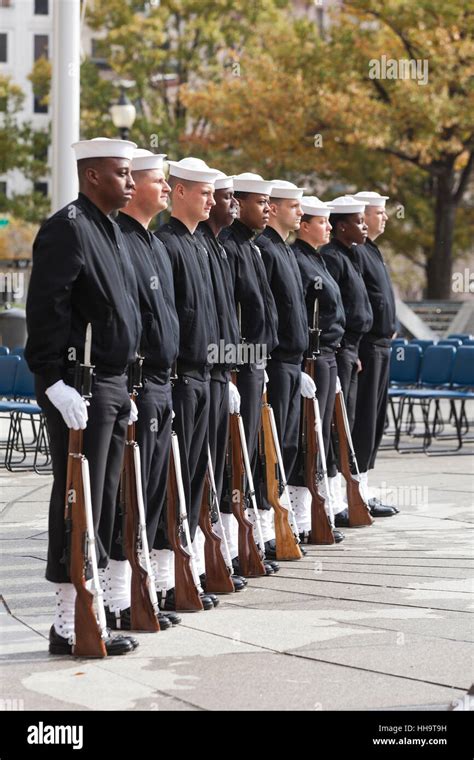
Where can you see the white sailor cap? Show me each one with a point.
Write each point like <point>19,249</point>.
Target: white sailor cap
<point>192,169</point>
<point>103,147</point>
<point>371,199</point>
<point>345,204</point>
<point>282,189</point>
<point>223,182</point>
<point>144,159</point>
<point>251,183</point>
<point>312,206</point>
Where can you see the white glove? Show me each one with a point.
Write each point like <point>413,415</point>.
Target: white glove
<point>133,412</point>
<point>266,380</point>
<point>234,399</point>
<point>70,403</point>
<point>338,385</point>
<point>308,388</point>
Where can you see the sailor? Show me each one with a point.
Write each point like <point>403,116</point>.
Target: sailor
<point>374,348</point>
<point>192,196</point>
<point>159,349</point>
<point>224,396</point>
<point>82,274</point>
<point>320,286</point>
<point>258,318</point>
<point>287,382</point>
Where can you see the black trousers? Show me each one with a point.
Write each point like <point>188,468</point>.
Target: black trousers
<point>372,398</point>
<point>347,364</point>
<point>153,435</point>
<point>104,440</point>
<point>346,359</point>
<point>284,395</point>
<point>250,383</point>
<point>191,424</point>
<point>219,430</point>
<point>325,374</point>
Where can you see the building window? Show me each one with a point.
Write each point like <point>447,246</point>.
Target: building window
<point>3,187</point>
<point>41,7</point>
<point>3,48</point>
<point>40,146</point>
<point>41,43</point>
<point>41,187</point>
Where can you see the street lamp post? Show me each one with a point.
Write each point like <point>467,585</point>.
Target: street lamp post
<point>123,114</point>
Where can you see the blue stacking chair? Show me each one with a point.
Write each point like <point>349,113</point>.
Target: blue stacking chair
<point>463,337</point>
<point>398,342</point>
<point>4,350</point>
<point>469,342</point>
<point>456,342</point>
<point>23,407</point>
<point>424,344</point>
<point>439,371</point>
<point>19,351</point>
<point>405,363</point>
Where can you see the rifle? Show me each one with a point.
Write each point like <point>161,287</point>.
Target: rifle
<point>313,446</point>
<point>359,514</point>
<point>218,577</point>
<point>217,512</point>
<point>187,586</point>
<point>287,547</point>
<point>250,559</point>
<point>144,601</point>
<point>81,556</point>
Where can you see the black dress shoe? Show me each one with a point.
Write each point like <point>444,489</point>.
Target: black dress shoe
<point>268,569</point>
<point>341,520</point>
<point>270,549</point>
<point>114,645</point>
<point>303,551</point>
<point>237,583</point>
<point>164,621</point>
<point>173,617</point>
<point>241,578</point>
<point>121,620</point>
<point>208,601</point>
<point>274,565</point>
<point>377,509</point>
<point>214,599</point>
<point>338,535</point>
<point>168,604</point>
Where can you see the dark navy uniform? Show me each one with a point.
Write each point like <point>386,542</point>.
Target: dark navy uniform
<point>258,328</point>
<point>198,330</point>
<point>343,265</point>
<point>319,284</point>
<point>227,349</point>
<point>82,273</point>
<point>159,347</point>
<point>374,353</point>
<point>284,370</point>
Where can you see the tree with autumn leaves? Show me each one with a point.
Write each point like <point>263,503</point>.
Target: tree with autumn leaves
<point>253,86</point>
<point>305,107</point>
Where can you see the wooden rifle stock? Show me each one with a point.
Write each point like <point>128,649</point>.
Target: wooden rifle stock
<point>186,594</point>
<point>321,531</point>
<point>142,612</point>
<point>250,561</point>
<point>88,635</point>
<point>287,547</point>
<point>218,579</point>
<point>359,515</point>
